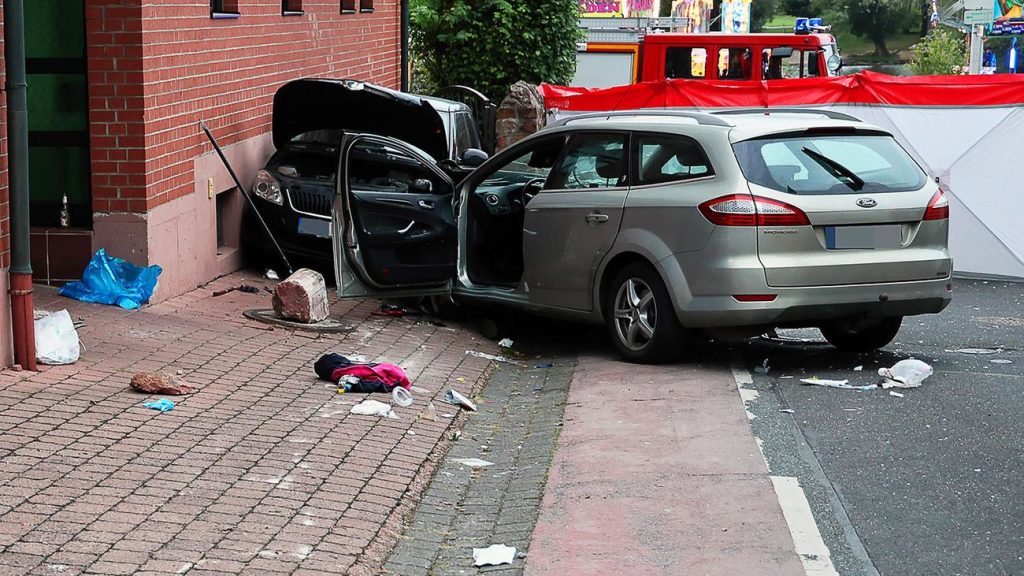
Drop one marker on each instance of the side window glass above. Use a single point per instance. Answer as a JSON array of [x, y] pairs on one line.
[[670, 158], [378, 167], [686, 63], [735, 63], [466, 136], [534, 163], [591, 161]]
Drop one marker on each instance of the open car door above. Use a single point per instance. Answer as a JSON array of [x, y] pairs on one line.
[[393, 223]]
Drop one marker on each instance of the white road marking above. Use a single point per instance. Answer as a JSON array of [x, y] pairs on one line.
[[806, 538]]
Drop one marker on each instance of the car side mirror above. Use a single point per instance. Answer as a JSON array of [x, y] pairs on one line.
[[473, 157], [834, 63]]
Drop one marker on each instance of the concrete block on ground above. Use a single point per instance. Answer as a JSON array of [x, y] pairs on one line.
[[302, 297]]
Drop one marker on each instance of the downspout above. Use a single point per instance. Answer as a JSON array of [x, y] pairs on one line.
[[22, 320], [404, 8]]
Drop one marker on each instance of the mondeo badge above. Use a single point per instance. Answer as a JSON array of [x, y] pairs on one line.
[[866, 203]]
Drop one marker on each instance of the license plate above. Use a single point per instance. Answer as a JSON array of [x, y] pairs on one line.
[[315, 227], [876, 237]]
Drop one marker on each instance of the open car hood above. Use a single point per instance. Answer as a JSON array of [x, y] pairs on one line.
[[324, 104]]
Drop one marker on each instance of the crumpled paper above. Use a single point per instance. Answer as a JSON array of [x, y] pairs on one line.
[[494, 555]]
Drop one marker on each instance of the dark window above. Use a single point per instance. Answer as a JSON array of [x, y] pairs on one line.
[[223, 8], [670, 158], [814, 165], [291, 7], [348, 6], [685, 62], [735, 63], [366, 5], [591, 161]]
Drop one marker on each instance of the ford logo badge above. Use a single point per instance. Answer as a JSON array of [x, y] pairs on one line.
[[866, 203]]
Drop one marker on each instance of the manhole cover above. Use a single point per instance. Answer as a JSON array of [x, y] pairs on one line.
[[266, 315], [977, 350]]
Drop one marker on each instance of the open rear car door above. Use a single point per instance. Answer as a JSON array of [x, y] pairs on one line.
[[393, 223]]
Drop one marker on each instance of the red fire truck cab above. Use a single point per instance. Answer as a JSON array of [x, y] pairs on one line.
[[707, 56]]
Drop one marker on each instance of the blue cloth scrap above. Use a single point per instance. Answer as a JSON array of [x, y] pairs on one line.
[[109, 280], [163, 405]]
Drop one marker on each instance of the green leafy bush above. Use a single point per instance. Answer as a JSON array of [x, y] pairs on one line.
[[491, 44], [942, 51]]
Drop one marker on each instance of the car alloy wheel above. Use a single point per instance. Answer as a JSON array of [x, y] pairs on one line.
[[636, 314]]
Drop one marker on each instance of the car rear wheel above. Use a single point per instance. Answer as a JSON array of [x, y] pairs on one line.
[[639, 315], [864, 336]]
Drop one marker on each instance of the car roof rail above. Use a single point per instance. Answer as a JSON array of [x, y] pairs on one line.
[[702, 118], [831, 114]]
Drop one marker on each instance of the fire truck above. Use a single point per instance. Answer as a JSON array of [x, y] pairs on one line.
[[629, 50]]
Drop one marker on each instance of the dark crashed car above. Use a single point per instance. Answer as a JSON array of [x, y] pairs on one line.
[[295, 190]]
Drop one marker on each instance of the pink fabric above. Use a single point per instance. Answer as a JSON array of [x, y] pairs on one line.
[[389, 374]]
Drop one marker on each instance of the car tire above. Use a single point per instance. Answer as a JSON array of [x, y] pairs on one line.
[[639, 315], [863, 337]]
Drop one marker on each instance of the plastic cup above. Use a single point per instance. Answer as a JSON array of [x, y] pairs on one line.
[[401, 396]]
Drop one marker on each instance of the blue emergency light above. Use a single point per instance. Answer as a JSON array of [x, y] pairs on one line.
[[802, 26], [815, 23]]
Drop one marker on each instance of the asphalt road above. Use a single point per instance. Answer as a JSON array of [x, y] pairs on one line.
[[930, 483]]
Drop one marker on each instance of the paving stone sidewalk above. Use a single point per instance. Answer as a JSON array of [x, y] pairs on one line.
[[263, 471], [516, 428]]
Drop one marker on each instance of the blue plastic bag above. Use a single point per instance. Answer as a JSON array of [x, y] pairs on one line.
[[109, 280], [163, 405]]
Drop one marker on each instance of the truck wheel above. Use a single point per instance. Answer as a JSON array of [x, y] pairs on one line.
[[639, 315], [862, 337]]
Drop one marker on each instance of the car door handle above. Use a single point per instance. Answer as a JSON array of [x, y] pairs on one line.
[[426, 204], [596, 217]]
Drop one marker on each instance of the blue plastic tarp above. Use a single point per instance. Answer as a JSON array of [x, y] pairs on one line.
[[109, 280]]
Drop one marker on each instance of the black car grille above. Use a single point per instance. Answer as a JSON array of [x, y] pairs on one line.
[[310, 201]]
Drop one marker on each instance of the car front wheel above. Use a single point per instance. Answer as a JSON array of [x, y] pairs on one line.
[[863, 337], [639, 315]]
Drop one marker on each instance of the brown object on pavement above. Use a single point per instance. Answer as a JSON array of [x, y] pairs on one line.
[[302, 297], [155, 383]]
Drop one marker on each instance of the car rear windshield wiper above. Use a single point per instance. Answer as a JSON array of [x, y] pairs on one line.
[[855, 182]]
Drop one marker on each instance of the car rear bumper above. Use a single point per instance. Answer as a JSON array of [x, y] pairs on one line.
[[814, 306]]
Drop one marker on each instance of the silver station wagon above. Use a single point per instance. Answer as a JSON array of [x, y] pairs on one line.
[[657, 224]]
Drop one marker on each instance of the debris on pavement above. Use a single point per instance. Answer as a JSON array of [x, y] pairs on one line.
[[977, 351], [545, 365], [373, 408], [156, 383], [431, 412], [271, 274], [505, 342], [844, 384], [908, 373], [473, 462], [302, 297], [360, 377], [56, 339], [858, 368], [163, 405], [494, 555], [895, 393], [1001, 361], [453, 397], [787, 410], [109, 280], [401, 396], [393, 310], [487, 356], [763, 368], [247, 288]]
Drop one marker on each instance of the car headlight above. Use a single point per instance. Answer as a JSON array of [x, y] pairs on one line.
[[268, 188]]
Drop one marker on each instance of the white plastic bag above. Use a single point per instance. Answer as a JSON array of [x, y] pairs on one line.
[[909, 373], [56, 339]]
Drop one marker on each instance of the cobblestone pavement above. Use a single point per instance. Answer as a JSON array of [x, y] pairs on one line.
[[516, 428], [262, 471]]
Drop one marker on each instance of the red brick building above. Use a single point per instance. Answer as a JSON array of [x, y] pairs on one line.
[[116, 92]]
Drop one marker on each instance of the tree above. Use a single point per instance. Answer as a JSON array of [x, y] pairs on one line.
[[491, 44], [942, 51], [877, 20], [761, 11]]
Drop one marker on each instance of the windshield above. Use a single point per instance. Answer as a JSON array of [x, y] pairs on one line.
[[830, 50], [846, 164]]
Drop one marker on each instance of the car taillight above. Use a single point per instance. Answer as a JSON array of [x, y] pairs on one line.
[[746, 210], [938, 207]]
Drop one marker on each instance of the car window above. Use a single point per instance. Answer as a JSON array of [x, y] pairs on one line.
[[377, 167], [466, 135], [735, 63], [846, 164], [670, 158], [685, 62], [799, 64], [591, 161], [535, 161]]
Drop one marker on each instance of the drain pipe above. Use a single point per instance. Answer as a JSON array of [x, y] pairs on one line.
[[405, 44], [22, 320]]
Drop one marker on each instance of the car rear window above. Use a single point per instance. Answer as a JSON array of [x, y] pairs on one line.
[[829, 164]]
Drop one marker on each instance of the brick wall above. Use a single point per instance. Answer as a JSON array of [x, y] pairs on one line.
[[225, 72]]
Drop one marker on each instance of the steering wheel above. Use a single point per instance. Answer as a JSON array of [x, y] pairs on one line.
[[532, 183]]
